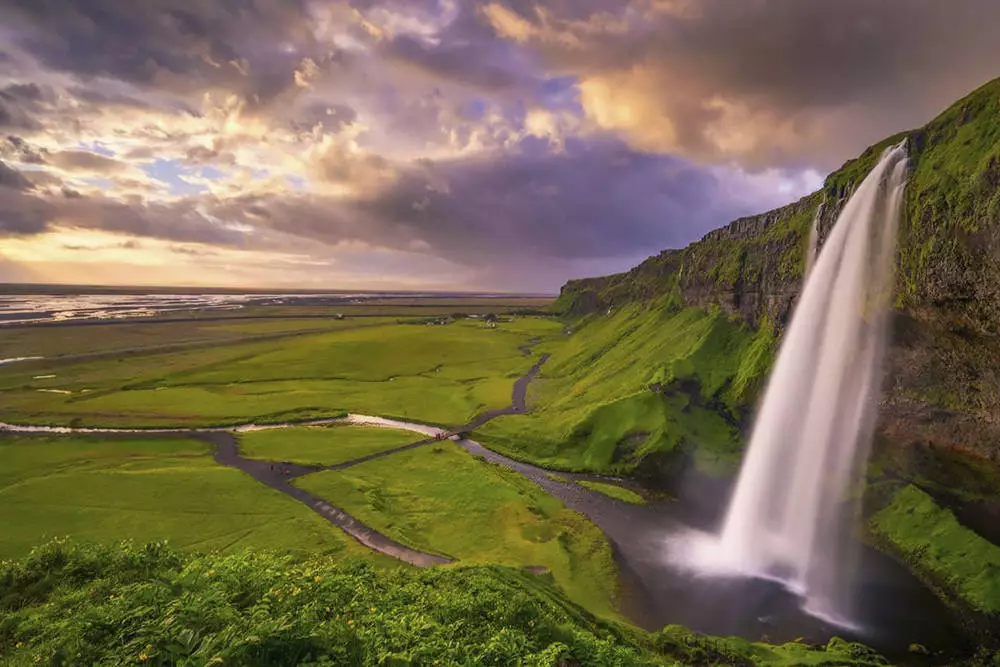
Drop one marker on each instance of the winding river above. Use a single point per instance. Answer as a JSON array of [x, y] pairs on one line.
[[896, 608]]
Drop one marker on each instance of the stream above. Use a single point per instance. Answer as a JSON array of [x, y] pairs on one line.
[[896, 608]]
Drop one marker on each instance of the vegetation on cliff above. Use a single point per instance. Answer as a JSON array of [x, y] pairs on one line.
[[935, 544], [638, 387], [150, 605]]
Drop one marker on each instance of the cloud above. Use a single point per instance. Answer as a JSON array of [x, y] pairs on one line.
[[767, 83], [86, 161], [13, 179]]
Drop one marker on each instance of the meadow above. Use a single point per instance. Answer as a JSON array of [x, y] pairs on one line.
[[322, 445], [439, 499], [105, 489], [442, 374]]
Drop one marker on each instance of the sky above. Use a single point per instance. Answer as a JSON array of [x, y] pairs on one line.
[[439, 144]]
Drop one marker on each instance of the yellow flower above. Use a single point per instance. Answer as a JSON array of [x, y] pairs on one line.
[[317, 578], [19, 644], [351, 622], [143, 657], [372, 610]]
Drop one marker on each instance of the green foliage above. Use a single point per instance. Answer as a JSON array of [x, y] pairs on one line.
[[103, 489], [639, 383], [150, 605], [691, 648], [322, 445], [935, 543], [442, 500], [614, 491]]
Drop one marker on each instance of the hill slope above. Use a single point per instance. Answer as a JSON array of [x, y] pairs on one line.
[[943, 389]]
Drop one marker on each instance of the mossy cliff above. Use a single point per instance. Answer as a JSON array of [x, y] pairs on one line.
[[938, 441], [943, 385]]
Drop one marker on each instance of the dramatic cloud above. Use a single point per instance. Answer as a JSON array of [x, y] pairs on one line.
[[766, 82], [483, 144]]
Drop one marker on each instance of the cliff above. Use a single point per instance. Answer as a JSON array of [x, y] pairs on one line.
[[943, 385]]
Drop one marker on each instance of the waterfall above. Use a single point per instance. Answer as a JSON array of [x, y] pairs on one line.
[[814, 427], [813, 240]]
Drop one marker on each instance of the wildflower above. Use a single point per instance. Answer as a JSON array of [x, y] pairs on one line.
[[296, 591], [143, 657], [317, 578], [351, 622], [19, 644], [372, 610]]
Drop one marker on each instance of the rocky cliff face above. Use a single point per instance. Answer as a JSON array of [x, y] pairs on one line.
[[943, 384]]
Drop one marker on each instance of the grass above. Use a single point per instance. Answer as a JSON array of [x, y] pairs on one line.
[[68, 340], [439, 374], [146, 489], [322, 445], [614, 491], [934, 542], [71, 604], [635, 385], [442, 500]]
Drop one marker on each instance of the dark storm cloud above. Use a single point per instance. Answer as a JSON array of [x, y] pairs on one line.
[[17, 149], [596, 199], [13, 179], [162, 43], [22, 212], [19, 104]]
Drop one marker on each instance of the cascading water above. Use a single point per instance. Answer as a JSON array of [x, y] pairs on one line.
[[814, 427], [813, 240]]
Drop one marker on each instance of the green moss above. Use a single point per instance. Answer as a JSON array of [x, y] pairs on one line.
[[614, 491], [933, 541], [641, 382]]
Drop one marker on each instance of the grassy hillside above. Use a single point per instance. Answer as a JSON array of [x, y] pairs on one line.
[[944, 382], [149, 605], [638, 386]]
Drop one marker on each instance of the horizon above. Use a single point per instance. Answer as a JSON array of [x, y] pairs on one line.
[[380, 145]]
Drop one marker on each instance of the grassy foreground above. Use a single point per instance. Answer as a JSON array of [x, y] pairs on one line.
[[150, 605], [440, 499], [322, 445], [105, 489]]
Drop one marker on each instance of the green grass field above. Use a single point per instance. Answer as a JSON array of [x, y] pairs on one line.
[[147, 489], [440, 499], [638, 382], [322, 445], [614, 491], [438, 374]]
